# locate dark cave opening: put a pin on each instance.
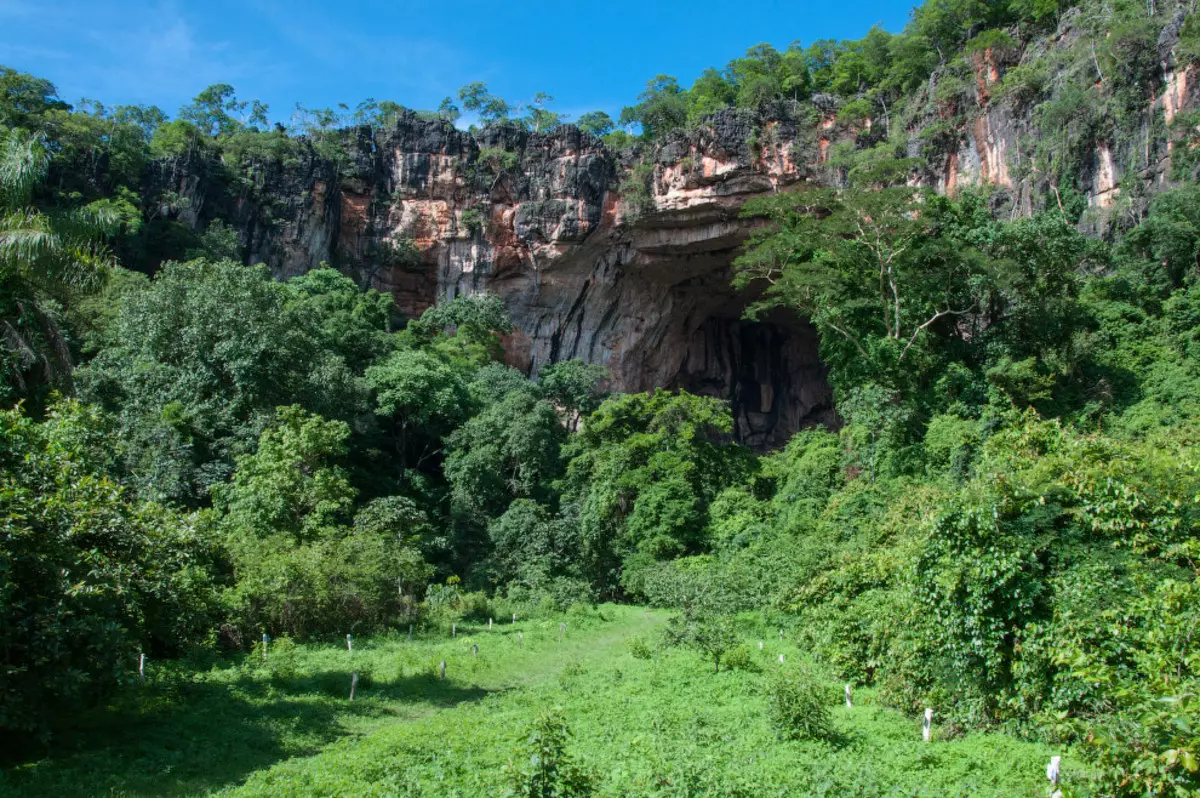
(769, 370)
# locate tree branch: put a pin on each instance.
(931, 320)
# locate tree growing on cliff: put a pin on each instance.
(596, 123)
(476, 99)
(866, 267)
(661, 108)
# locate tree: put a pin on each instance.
(46, 260)
(286, 487)
(216, 111)
(509, 451)
(89, 575)
(595, 123)
(196, 365)
(866, 267)
(533, 548)
(641, 475)
(299, 568)
(25, 100)
(705, 608)
(420, 397)
(661, 108)
(538, 118)
(573, 387)
(476, 98)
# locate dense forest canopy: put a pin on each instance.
(194, 453)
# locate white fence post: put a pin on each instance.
(353, 684)
(442, 668)
(927, 727)
(849, 704)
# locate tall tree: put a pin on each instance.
(45, 260)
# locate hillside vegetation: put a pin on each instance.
(194, 454)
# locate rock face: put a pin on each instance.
(621, 264)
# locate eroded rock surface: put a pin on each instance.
(635, 279)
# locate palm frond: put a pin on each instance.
(24, 163)
(26, 236)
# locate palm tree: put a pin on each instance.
(46, 259)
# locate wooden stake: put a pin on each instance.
(520, 640)
(927, 727)
(410, 633)
(474, 651)
(349, 644)
(266, 640)
(454, 630)
(1052, 770)
(780, 634)
(442, 669)
(780, 659)
(142, 668)
(514, 617)
(849, 704)
(760, 646)
(489, 624)
(353, 684)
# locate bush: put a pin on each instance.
(640, 648)
(542, 768)
(740, 658)
(799, 706)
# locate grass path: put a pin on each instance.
(196, 731)
(663, 725)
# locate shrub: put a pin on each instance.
(799, 706)
(740, 658)
(542, 767)
(640, 648)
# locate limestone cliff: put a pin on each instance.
(636, 279)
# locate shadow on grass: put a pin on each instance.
(184, 737)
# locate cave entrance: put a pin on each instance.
(769, 370)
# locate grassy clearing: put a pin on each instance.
(665, 725)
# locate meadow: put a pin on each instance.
(644, 720)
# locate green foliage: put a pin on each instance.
(641, 475)
(284, 518)
(573, 387)
(799, 705)
(637, 191)
(89, 576)
(478, 100)
(595, 123)
(660, 109)
(46, 260)
(543, 767)
(705, 607)
(509, 451)
(197, 364)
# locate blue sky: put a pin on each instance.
(587, 55)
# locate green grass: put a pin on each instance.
(660, 726)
